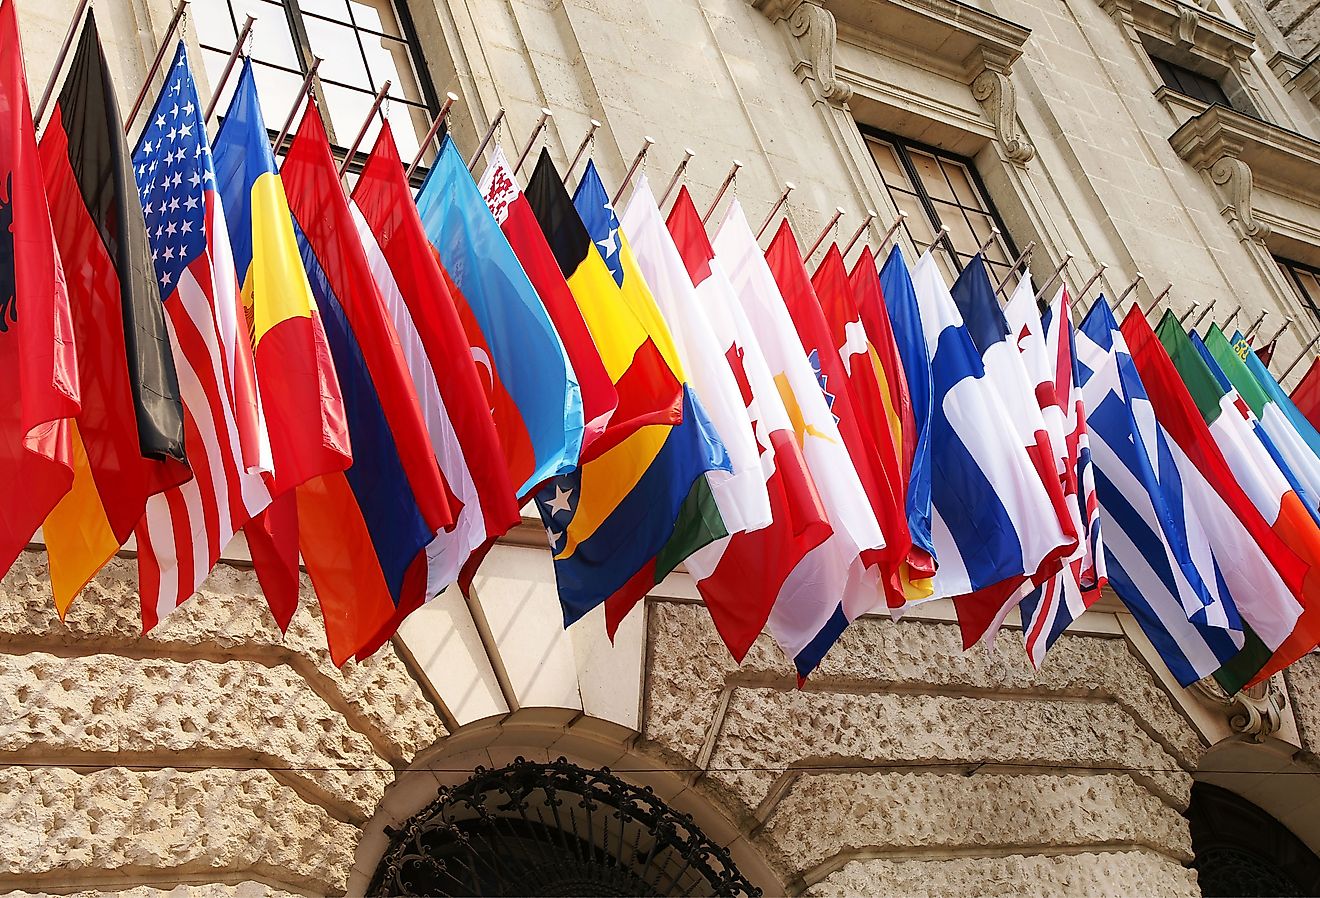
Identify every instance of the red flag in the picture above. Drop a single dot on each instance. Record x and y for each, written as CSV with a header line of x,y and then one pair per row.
x,y
1306,395
37,357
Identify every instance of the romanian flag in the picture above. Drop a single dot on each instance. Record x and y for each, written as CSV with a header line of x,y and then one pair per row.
x,y
622,521
37,358
295,374
364,532
529,380
127,443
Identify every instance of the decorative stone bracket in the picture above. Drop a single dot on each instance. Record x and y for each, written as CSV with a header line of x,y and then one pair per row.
x,y
1255,712
1234,179
993,89
816,32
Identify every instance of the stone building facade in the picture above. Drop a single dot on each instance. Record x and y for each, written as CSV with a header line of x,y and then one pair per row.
x,y
214,756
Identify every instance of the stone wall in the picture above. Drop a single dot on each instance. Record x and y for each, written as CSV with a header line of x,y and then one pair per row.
x,y
211,750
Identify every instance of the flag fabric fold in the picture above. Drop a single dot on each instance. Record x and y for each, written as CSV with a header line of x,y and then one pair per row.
x,y
1284,410
1306,395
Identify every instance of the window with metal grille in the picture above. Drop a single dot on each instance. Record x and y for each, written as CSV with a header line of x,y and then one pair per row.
x,y
1193,84
937,188
1307,281
362,44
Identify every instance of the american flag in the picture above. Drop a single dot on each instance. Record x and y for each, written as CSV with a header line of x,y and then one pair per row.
x,y
185,529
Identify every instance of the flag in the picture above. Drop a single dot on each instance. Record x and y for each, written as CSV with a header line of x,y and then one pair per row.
x,y
1283,410
918,570
853,347
623,520
128,440
1278,606
785,261
500,187
997,523
809,613
904,320
296,379
443,371
1158,559
186,528
530,384
363,534
1266,352
37,353
1306,395
633,342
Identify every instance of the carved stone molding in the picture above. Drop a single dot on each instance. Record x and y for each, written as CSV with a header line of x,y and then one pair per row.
x,y
1255,712
1234,177
1190,28
816,32
994,90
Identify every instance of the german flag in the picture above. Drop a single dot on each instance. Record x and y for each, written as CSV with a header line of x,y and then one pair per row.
x,y
127,442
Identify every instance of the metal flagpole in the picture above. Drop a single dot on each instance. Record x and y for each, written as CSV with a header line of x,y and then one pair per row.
x,y
1182,319
1287,323
1163,294
1208,309
824,232
1246,335
220,83
362,132
1081,294
588,139
893,229
866,223
944,229
59,61
1301,355
297,102
450,99
647,142
1019,261
1049,282
1118,303
1231,318
531,141
789,187
994,232
155,64
485,140
688,153
719,194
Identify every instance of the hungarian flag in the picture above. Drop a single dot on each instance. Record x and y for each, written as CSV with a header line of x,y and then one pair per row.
x,y
443,371
500,187
1286,621
37,357
363,533
743,576
128,440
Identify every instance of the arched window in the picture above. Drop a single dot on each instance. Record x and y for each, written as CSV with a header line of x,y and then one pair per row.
x,y
1242,851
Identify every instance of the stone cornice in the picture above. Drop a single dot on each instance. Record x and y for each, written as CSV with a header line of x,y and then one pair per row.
x,y
1186,27
1298,74
1274,155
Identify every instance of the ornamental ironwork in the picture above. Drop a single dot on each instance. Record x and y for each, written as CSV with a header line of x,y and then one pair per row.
x,y
557,830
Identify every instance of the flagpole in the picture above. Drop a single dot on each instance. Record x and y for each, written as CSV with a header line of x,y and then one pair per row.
x,y
939,235
1301,355
1081,294
1049,282
1182,319
59,61
1163,293
688,153
1260,319
1287,323
789,187
587,140
647,143
824,232
1118,303
1208,309
994,232
1022,258
228,69
450,99
866,222
362,132
155,64
490,132
531,141
297,103
1231,318
893,229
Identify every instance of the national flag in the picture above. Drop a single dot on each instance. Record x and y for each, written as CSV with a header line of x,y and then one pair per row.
x,y
186,528
632,340
997,522
1283,605
296,379
128,440
904,316
1283,409
37,354
811,609
1306,395
443,371
500,187
1266,352
530,383
625,519
363,534
1158,558
852,345
918,570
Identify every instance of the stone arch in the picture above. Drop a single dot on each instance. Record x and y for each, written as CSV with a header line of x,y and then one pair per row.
x,y
1240,849
543,735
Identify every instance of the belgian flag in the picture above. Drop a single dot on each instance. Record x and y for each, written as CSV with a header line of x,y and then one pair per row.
x,y
127,441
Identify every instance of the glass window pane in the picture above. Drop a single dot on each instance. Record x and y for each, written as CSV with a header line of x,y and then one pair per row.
x,y
341,57
960,233
214,25
378,15
332,9
272,37
963,189
409,123
890,168
276,89
932,178
346,111
388,60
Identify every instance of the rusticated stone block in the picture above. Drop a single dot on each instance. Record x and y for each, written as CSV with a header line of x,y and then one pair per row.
x,y
1304,693
1099,875
198,890
69,825
879,811
109,706
227,618
766,731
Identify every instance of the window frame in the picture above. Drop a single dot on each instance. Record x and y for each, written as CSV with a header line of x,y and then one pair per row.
x,y
1291,268
1174,76
901,145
